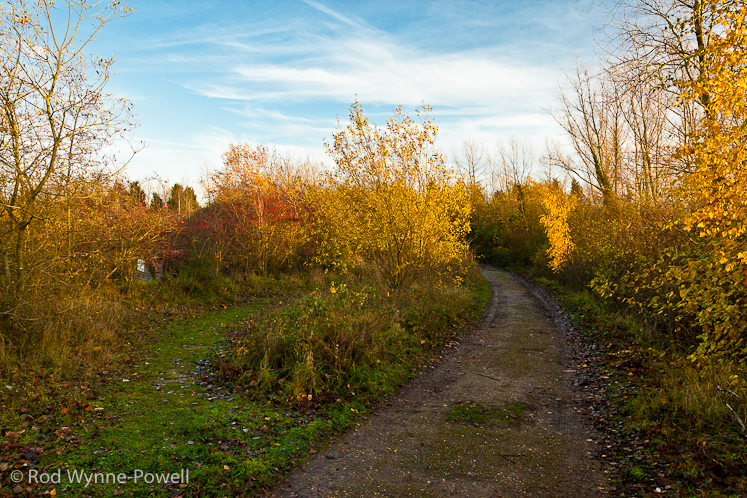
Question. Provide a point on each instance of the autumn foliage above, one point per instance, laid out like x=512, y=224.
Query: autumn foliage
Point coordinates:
x=657, y=214
x=392, y=203
x=258, y=216
x=697, y=278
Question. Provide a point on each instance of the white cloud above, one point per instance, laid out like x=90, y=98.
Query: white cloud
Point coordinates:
x=454, y=81
x=332, y=62
x=281, y=80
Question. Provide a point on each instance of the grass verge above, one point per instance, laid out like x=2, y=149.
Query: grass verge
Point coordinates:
x=179, y=401
x=673, y=425
x=345, y=342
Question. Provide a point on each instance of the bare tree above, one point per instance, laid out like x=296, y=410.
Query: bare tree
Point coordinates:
x=55, y=117
x=591, y=115
x=660, y=42
x=646, y=112
x=472, y=162
x=512, y=163
x=624, y=120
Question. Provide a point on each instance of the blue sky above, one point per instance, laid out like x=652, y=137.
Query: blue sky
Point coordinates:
x=204, y=73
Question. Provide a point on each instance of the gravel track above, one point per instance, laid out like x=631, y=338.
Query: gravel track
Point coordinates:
x=517, y=365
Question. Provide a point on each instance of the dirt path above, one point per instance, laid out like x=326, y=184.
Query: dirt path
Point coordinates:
x=495, y=418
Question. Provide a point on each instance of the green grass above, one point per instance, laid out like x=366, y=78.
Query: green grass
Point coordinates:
x=197, y=284
x=166, y=407
x=155, y=416
x=149, y=414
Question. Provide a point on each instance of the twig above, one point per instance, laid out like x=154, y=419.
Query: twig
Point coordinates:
x=504, y=456
x=728, y=391
x=737, y=416
x=487, y=376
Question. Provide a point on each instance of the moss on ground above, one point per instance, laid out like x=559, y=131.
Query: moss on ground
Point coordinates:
x=475, y=413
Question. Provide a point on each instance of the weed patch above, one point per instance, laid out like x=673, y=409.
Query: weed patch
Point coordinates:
x=348, y=341
x=475, y=413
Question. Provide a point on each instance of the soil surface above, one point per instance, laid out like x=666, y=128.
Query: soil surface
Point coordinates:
x=496, y=417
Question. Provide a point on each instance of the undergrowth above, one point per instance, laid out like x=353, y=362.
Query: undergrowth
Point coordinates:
x=51, y=365
x=348, y=340
x=156, y=402
x=89, y=328
x=685, y=418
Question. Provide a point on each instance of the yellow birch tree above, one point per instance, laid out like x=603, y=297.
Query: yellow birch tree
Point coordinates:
x=713, y=282
x=393, y=201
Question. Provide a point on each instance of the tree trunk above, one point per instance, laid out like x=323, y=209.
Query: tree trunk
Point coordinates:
x=6, y=263
x=20, y=258
x=705, y=98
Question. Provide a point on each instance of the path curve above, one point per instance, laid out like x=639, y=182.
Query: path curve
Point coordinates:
x=514, y=369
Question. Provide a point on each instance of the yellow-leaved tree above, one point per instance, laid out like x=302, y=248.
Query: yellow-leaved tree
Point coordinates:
x=56, y=119
x=558, y=206
x=393, y=202
x=713, y=279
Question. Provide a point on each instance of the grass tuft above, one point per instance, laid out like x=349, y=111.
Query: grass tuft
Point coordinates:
x=475, y=413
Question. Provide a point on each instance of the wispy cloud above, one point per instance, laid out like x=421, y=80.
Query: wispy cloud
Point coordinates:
x=307, y=63
x=378, y=69
x=335, y=14
x=283, y=75
x=385, y=75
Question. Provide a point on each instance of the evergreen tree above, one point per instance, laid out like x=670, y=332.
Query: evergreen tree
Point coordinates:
x=137, y=193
